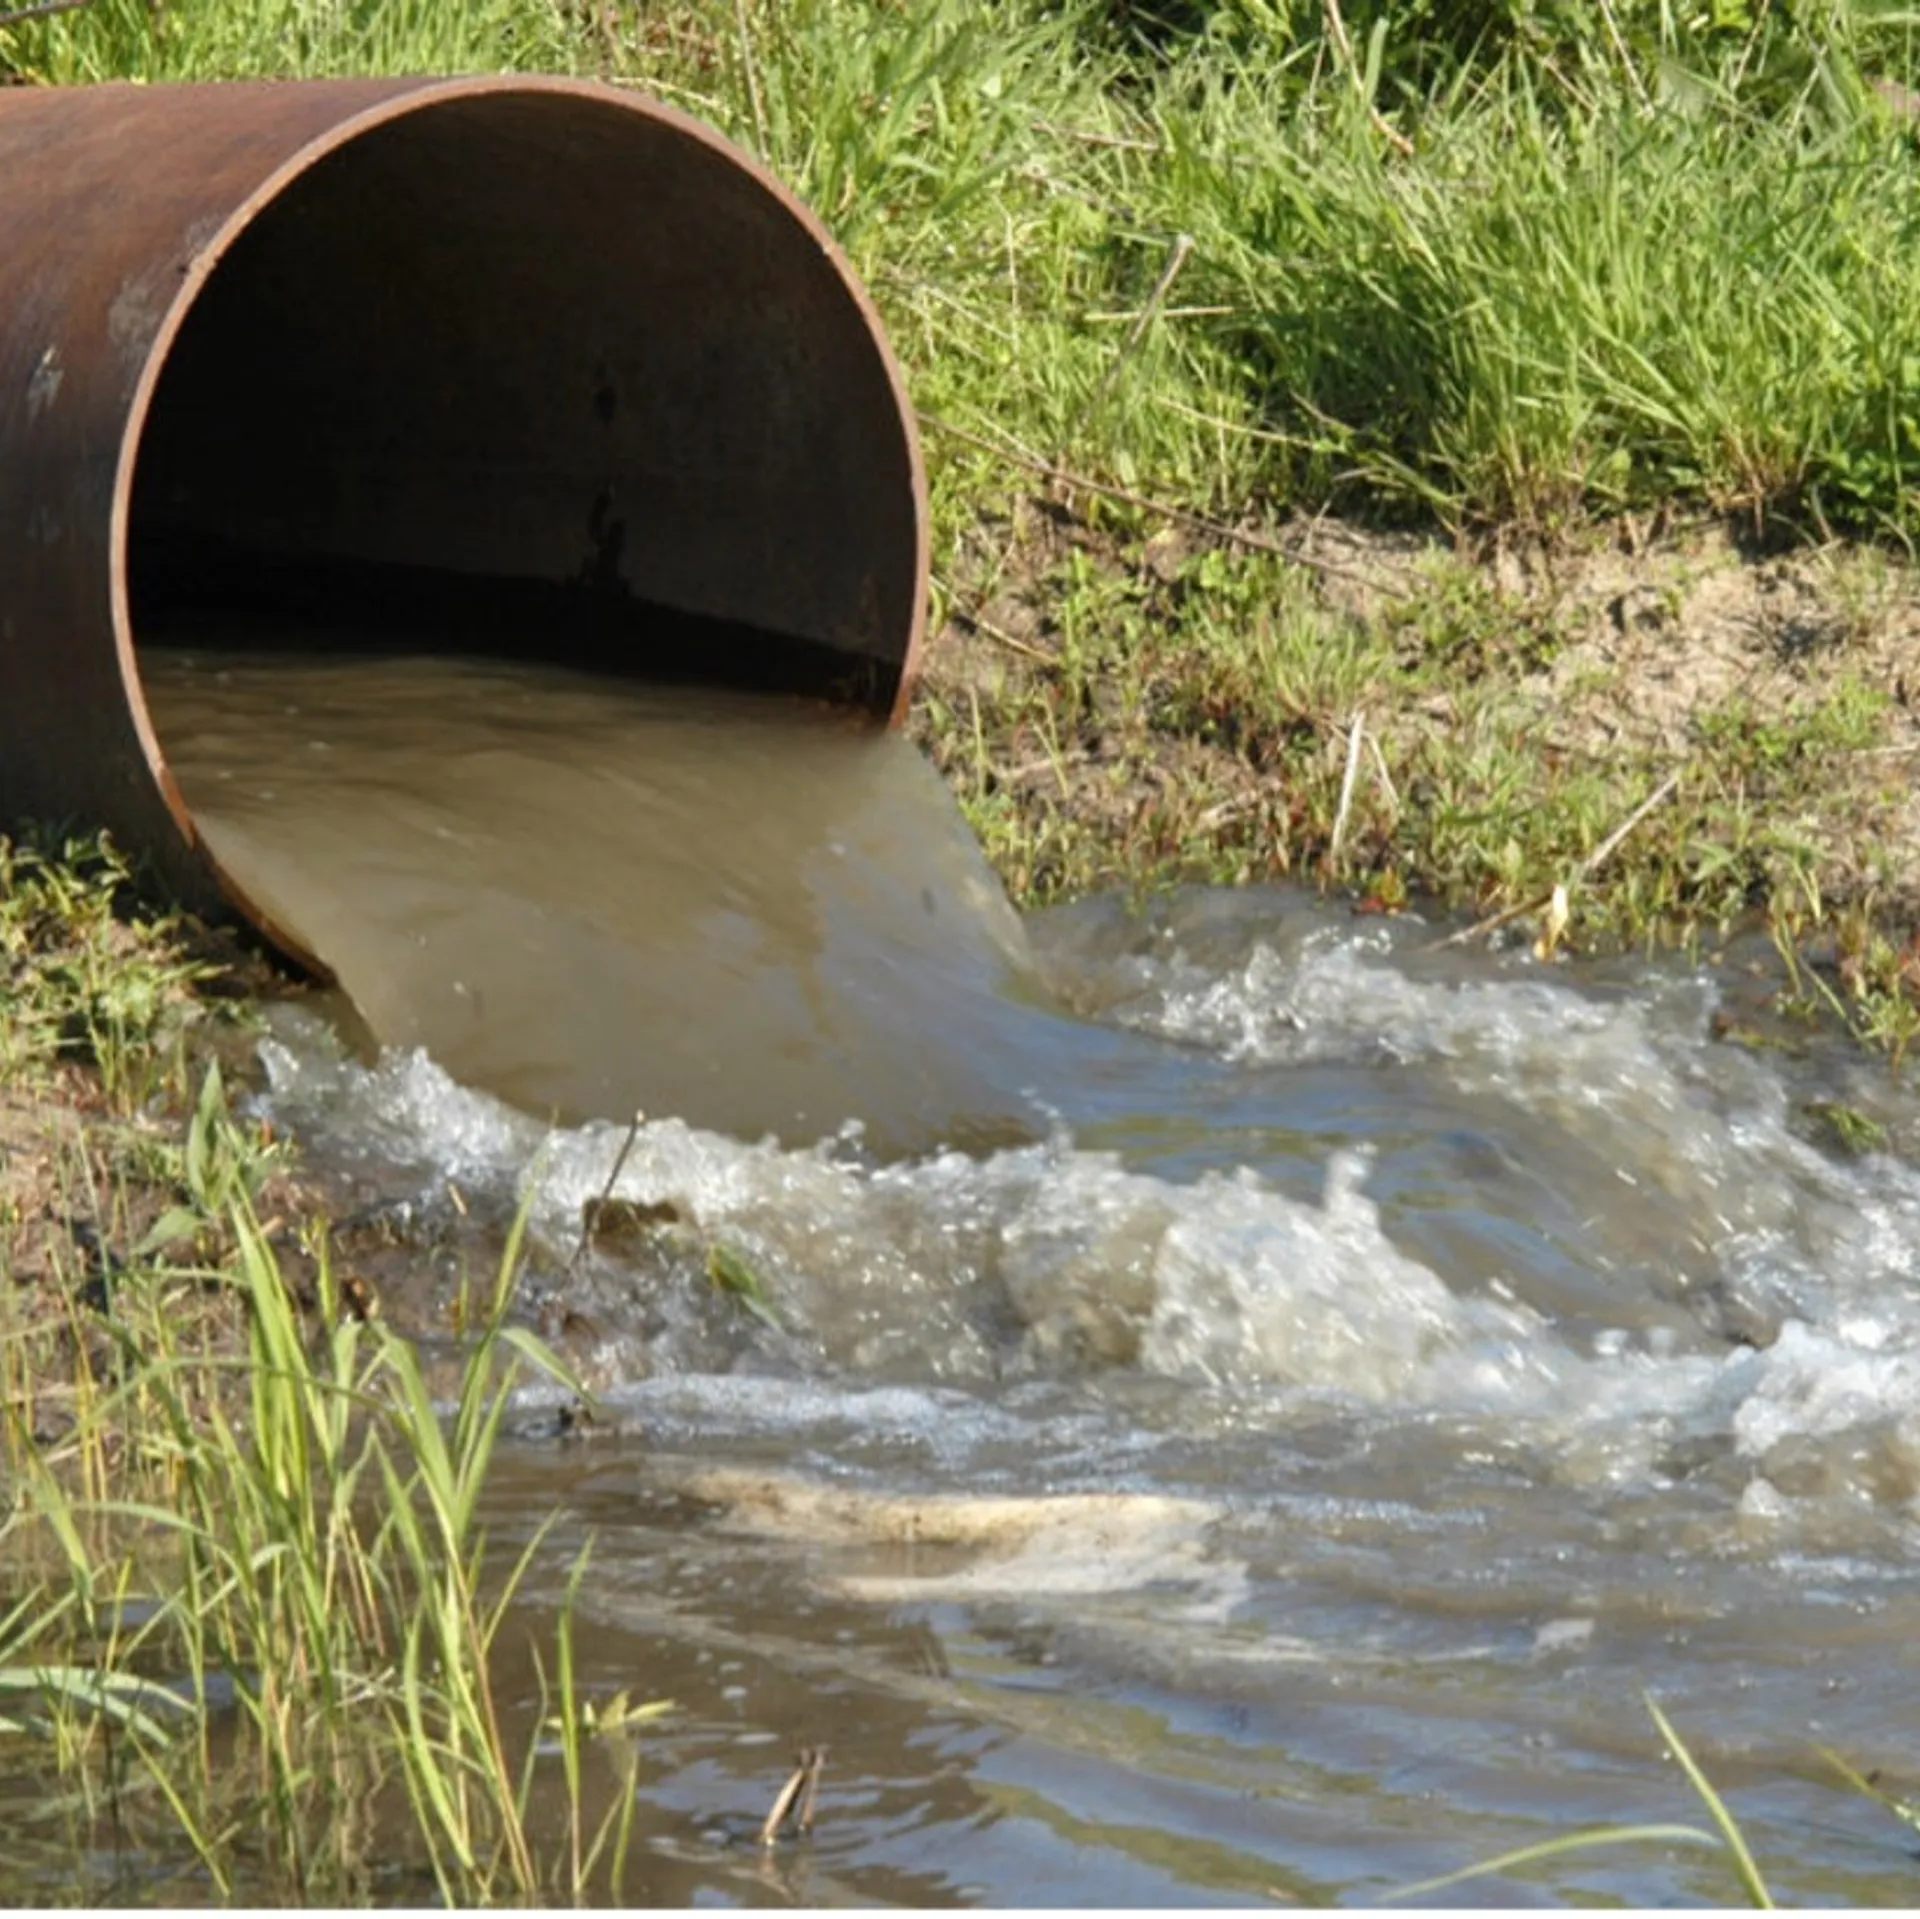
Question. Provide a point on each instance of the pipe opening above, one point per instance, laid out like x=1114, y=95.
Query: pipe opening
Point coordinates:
x=535, y=370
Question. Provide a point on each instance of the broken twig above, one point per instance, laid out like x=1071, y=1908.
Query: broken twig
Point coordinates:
x=18, y=16
x=1182, y=252
x=981, y=624
x=1611, y=844
x=1356, y=737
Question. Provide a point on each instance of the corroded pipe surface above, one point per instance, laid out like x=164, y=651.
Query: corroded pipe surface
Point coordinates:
x=480, y=363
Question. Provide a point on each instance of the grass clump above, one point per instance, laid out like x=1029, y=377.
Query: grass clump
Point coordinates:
x=248, y=1622
x=253, y=1626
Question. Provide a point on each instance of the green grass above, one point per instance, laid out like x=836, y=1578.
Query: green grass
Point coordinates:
x=1487, y=263
x=248, y=1621
x=85, y=980
x=250, y=1612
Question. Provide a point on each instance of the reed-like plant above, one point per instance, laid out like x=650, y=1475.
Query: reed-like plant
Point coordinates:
x=260, y=1591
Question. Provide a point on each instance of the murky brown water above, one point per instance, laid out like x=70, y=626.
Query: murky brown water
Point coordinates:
x=1280, y=1476
x=511, y=866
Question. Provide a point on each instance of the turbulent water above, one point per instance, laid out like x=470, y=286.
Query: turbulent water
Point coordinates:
x=1281, y=1476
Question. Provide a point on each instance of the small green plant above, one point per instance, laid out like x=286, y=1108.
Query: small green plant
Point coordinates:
x=1851, y=1131
x=739, y=1280
x=83, y=980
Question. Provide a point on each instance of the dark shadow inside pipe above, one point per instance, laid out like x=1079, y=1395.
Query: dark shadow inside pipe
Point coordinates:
x=533, y=374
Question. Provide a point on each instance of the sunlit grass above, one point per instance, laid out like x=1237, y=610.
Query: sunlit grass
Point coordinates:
x=1558, y=276
x=249, y=1592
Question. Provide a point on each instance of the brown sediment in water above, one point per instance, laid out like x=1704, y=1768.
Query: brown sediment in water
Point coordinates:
x=591, y=897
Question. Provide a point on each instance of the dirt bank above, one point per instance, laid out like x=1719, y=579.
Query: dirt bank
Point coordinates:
x=1676, y=730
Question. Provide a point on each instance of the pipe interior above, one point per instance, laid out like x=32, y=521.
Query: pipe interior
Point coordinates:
x=534, y=373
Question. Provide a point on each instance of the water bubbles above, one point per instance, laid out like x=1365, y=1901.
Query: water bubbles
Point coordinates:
x=1554, y=1232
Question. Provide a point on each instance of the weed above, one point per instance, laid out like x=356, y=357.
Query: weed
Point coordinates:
x=82, y=981
x=284, y=1602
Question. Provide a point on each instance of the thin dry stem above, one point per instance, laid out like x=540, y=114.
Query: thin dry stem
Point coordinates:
x=1356, y=738
x=606, y=1192
x=19, y=15
x=1182, y=252
x=744, y=26
x=1337, y=28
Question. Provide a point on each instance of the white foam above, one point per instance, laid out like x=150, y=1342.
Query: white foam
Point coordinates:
x=1053, y=1261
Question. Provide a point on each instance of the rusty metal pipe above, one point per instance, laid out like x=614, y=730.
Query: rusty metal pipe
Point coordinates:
x=427, y=347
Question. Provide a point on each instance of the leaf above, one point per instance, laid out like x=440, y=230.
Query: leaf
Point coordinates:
x=617, y=1716
x=1904, y=1810
x=1553, y=1848
x=731, y=1273
x=175, y=1224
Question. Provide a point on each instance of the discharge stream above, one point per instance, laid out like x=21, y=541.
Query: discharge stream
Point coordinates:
x=1272, y=1459
x=595, y=898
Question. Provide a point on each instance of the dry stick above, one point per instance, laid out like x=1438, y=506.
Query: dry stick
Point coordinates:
x=40, y=11
x=1182, y=251
x=1387, y=787
x=981, y=624
x=1611, y=844
x=1384, y=127
x=814, y=1759
x=802, y=1786
x=1354, y=741
x=1166, y=313
x=745, y=29
x=1626, y=59
x=974, y=618
x=606, y=1192
x=1180, y=515
x=1586, y=869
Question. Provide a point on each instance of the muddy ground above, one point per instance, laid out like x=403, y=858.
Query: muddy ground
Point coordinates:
x=1780, y=688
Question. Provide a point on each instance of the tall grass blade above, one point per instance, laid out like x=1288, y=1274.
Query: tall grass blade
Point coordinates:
x=1730, y=1833
x=1583, y=1841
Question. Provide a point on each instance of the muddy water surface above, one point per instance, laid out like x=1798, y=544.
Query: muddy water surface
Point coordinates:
x=1279, y=1474
x=513, y=866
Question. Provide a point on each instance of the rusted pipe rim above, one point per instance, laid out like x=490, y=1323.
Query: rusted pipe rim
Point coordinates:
x=154, y=202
